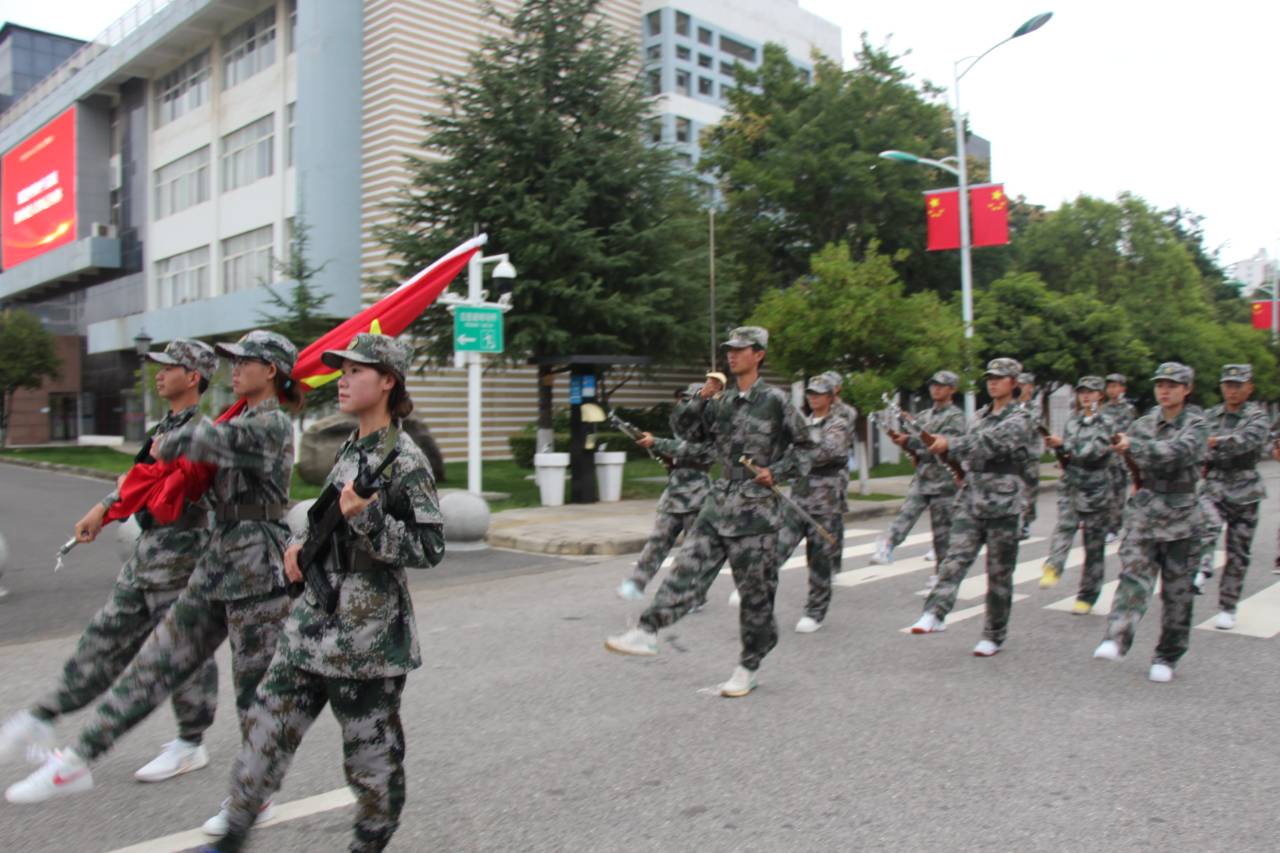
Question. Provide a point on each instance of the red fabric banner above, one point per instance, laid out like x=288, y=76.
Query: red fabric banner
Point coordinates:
x=990, y=216
x=1262, y=315
x=943, y=216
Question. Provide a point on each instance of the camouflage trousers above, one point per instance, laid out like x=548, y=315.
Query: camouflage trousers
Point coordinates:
x=187, y=637
x=941, y=508
x=754, y=561
x=1094, y=526
x=1174, y=564
x=1241, y=522
x=1119, y=494
x=286, y=704
x=822, y=557
x=112, y=639
x=968, y=535
x=667, y=527
x=1031, y=491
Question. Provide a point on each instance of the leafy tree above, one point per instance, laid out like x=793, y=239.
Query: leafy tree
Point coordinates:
x=27, y=358
x=540, y=145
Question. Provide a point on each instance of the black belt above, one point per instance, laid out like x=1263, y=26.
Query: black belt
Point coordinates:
x=192, y=517
x=251, y=512
x=363, y=561
x=736, y=473
x=1096, y=465
x=1244, y=464
x=1007, y=466
x=827, y=470
x=1171, y=488
x=689, y=466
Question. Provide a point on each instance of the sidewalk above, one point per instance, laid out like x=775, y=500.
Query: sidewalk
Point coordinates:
x=608, y=529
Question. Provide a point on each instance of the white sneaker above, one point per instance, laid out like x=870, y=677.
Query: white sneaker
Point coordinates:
x=742, y=682
x=177, y=757
x=1111, y=537
x=216, y=826
x=1161, y=673
x=930, y=556
x=734, y=598
x=63, y=773
x=928, y=624
x=637, y=641
x=1226, y=621
x=933, y=581
x=630, y=591
x=884, y=553
x=1198, y=582
x=807, y=625
x=985, y=649
x=1108, y=650
x=24, y=733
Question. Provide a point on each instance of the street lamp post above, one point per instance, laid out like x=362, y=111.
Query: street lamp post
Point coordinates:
x=142, y=345
x=962, y=67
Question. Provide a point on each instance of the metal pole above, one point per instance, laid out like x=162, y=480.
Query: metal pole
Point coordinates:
x=966, y=267
x=711, y=260
x=1275, y=308
x=475, y=268
x=146, y=396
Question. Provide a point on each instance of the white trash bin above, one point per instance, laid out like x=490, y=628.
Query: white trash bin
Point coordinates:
x=609, y=467
x=549, y=471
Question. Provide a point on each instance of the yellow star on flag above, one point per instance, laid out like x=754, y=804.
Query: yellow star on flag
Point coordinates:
x=316, y=381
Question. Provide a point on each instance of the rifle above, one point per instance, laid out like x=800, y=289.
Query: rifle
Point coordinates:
x=746, y=462
x=1129, y=462
x=64, y=551
x=634, y=433
x=910, y=426
x=326, y=527
x=879, y=418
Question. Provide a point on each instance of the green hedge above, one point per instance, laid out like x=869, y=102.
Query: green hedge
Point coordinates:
x=523, y=446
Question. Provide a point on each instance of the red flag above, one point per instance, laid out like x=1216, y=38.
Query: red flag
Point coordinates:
x=1262, y=315
x=943, y=216
x=990, y=215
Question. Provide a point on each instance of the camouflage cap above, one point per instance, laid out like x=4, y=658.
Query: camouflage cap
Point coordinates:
x=820, y=385
x=1174, y=371
x=1090, y=383
x=1026, y=378
x=265, y=346
x=368, y=348
x=835, y=378
x=191, y=355
x=945, y=377
x=747, y=336
x=1118, y=378
x=1236, y=373
x=1003, y=367
x=692, y=390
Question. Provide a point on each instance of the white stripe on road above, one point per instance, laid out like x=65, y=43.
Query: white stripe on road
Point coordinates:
x=1256, y=616
x=857, y=577
x=800, y=561
x=976, y=586
x=1107, y=596
x=853, y=533
x=969, y=612
x=284, y=812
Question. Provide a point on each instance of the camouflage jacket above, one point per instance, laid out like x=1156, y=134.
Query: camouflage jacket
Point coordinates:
x=1169, y=454
x=254, y=455
x=373, y=633
x=825, y=489
x=1087, y=443
x=994, y=454
x=1121, y=414
x=688, y=482
x=762, y=425
x=933, y=477
x=164, y=555
x=1232, y=466
x=841, y=409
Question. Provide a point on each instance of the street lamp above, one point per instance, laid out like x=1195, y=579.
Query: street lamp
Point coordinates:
x=962, y=67
x=142, y=346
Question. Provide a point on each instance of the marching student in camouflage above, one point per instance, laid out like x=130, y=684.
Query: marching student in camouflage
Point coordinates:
x=987, y=507
x=356, y=659
x=237, y=588
x=1239, y=436
x=1084, y=495
x=933, y=486
x=740, y=519
x=1162, y=522
x=1121, y=414
x=148, y=583
x=687, y=487
x=1031, y=469
x=823, y=494
x=838, y=406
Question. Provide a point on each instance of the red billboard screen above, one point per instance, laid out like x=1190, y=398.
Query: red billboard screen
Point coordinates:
x=38, y=183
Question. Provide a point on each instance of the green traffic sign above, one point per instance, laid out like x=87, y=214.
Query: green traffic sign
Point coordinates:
x=477, y=329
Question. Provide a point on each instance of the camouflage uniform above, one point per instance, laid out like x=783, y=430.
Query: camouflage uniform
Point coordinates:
x=356, y=659
x=1120, y=414
x=823, y=494
x=1161, y=525
x=739, y=521
x=687, y=487
x=987, y=508
x=1084, y=496
x=1233, y=485
x=236, y=589
x=933, y=486
x=1031, y=467
x=148, y=583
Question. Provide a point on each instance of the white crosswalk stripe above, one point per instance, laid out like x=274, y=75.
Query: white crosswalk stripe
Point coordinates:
x=975, y=585
x=852, y=533
x=1107, y=595
x=864, y=550
x=1256, y=616
x=969, y=612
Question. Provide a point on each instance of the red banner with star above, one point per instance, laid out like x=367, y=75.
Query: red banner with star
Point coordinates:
x=943, y=216
x=1262, y=315
x=989, y=216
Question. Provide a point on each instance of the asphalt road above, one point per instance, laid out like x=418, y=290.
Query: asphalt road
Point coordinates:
x=524, y=734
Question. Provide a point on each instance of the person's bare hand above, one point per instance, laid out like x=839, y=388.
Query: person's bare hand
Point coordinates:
x=291, y=568
x=939, y=445
x=352, y=504
x=1053, y=441
x=645, y=440
x=88, y=528
x=764, y=478
x=1120, y=443
x=1213, y=441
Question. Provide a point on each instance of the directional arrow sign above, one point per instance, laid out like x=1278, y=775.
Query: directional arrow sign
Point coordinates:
x=477, y=329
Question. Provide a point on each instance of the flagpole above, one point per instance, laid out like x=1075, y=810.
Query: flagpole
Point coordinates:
x=711, y=259
x=966, y=262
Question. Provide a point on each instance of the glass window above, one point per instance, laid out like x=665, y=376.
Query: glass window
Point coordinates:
x=249, y=48
x=246, y=153
x=654, y=22
x=655, y=130
x=183, y=278
x=292, y=28
x=246, y=259
x=682, y=24
x=705, y=86
x=737, y=49
x=682, y=82
x=289, y=135
x=704, y=35
x=653, y=52
x=683, y=53
x=182, y=89
x=182, y=183
x=727, y=68
x=684, y=129
x=655, y=82
x=705, y=61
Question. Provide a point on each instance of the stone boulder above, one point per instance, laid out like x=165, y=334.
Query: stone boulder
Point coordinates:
x=321, y=441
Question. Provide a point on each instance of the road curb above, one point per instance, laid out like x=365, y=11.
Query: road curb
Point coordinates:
x=78, y=470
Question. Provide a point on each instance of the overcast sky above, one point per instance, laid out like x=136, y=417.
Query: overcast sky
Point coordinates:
x=1175, y=101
